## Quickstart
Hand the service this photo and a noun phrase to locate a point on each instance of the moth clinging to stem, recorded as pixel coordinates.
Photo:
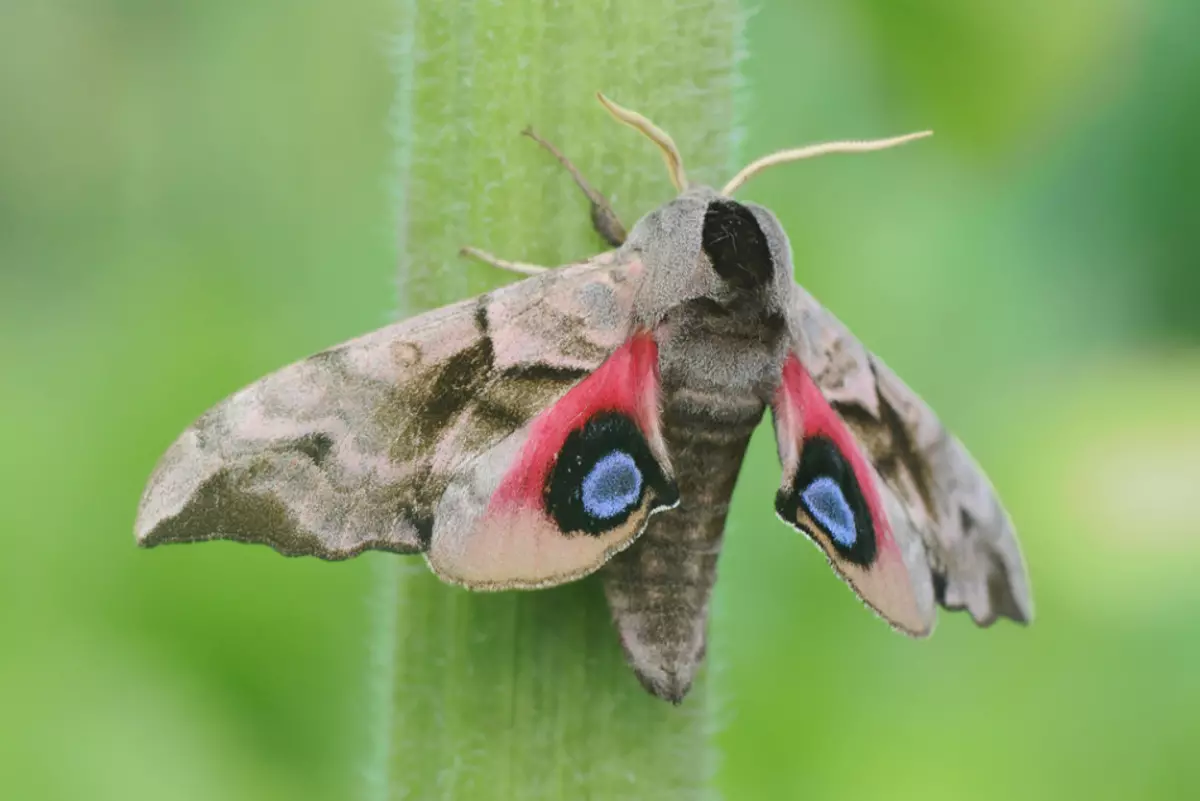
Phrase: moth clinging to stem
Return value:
(595, 417)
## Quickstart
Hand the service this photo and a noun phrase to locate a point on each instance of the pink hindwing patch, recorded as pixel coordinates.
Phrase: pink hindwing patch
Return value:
(625, 384)
(832, 493)
(586, 475)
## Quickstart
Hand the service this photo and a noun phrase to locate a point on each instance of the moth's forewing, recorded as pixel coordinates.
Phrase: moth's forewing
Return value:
(975, 558)
(314, 459)
(407, 439)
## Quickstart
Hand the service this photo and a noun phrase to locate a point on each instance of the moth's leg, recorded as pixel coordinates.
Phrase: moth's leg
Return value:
(502, 264)
(604, 219)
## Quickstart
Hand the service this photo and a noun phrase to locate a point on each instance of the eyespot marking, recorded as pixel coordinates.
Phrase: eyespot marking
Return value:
(613, 485)
(827, 490)
(602, 475)
(827, 506)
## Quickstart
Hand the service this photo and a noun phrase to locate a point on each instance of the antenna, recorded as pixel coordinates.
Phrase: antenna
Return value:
(812, 151)
(655, 134)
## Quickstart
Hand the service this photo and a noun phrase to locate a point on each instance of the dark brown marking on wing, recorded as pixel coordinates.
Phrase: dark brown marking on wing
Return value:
(906, 450)
(415, 499)
(939, 586)
(543, 372)
(222, 509)
(219, 509)
(495, 419)
(890, 446)
(466, 386)
(512, 399)
(999, 582)
(1000, 592)
(424, 527)
(315, 446)
(449, 389)
(481, 316)
(419, 412)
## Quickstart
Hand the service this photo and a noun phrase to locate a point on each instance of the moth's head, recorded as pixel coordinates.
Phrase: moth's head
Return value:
(706, 244)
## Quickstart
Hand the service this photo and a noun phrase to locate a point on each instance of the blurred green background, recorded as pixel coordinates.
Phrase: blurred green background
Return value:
(192, 194)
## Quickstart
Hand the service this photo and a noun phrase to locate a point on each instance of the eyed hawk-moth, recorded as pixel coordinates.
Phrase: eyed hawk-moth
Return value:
(595, 417)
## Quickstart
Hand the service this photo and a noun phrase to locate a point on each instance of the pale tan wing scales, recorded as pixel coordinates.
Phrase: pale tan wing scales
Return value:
(971, 558)
(353, 448)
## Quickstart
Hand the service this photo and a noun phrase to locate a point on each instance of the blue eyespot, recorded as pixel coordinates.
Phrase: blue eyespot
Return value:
(613, 485)
(825, 503)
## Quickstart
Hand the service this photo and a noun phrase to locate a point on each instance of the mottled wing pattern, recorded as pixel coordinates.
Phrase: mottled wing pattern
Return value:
(355, 447)
(958, 542)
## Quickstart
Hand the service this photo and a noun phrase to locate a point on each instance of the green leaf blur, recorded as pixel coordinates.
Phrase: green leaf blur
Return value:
(192, 194)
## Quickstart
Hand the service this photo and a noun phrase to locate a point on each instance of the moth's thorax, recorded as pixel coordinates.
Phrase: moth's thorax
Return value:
(721, 353)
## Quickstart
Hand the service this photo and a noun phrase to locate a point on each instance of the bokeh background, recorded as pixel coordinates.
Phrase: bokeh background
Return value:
(194, 193)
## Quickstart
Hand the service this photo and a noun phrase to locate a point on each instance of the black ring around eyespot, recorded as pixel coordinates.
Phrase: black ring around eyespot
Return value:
(826, 489)
(612, 443)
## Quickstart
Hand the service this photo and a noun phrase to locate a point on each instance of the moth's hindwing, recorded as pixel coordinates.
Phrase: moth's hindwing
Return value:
(567, 490)
(831, 493)
(399, 439)
(901, 509)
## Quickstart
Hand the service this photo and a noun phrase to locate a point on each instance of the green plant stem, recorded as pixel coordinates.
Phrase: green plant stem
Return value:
(525, 695)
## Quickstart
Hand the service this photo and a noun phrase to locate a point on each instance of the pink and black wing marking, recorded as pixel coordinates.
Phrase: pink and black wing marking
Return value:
(567, 490)
(831, 492)
(938, 531)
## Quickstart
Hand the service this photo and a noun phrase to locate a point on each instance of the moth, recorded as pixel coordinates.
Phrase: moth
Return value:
(594, 417)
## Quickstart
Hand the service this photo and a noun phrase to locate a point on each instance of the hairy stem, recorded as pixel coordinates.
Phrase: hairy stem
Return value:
(525, 695)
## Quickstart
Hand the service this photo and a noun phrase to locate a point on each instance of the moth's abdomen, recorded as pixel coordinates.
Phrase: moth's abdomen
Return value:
(659, 588)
